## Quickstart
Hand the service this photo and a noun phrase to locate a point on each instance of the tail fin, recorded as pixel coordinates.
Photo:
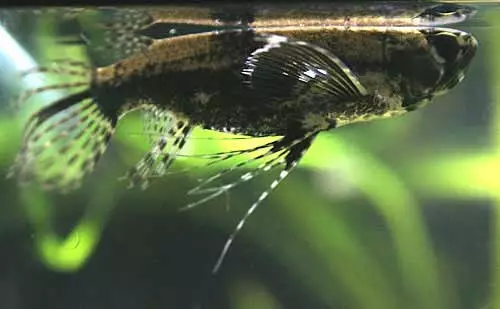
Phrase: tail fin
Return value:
(63, 141)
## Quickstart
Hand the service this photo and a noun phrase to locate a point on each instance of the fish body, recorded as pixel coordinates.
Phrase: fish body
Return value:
(204, 76)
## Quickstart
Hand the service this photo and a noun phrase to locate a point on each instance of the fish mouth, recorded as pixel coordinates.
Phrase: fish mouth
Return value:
(454, 50)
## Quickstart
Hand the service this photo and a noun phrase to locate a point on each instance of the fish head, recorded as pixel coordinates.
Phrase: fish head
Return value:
(448, 56)
(444, 14)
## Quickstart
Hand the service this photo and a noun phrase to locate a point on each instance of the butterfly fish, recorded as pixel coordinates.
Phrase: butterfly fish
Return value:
(291, 83)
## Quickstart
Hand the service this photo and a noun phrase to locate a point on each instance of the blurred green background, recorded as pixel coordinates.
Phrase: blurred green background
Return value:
(400, 213)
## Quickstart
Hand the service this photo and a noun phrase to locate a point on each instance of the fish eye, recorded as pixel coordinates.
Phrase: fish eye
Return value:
(451, 45)
(446, 45)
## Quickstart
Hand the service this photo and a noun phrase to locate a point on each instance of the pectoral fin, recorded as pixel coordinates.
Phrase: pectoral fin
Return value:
(284, 68)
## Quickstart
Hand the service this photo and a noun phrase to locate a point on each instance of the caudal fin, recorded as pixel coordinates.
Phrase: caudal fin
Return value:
(63, 141)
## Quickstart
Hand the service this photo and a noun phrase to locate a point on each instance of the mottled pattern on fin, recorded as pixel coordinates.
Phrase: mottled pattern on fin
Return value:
(285, 152)
(168, 134)
(67, 68)
(63, 142)
(285, 68)
(117, 34)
